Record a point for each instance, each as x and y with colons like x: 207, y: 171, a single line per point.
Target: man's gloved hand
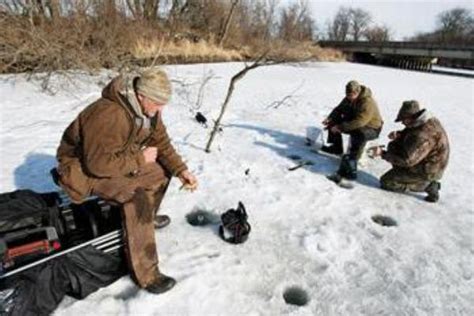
x: 394, y: 135
x: 375, y: 151
x: 189, y: 180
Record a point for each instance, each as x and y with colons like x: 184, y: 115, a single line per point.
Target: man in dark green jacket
x: 357, y: 115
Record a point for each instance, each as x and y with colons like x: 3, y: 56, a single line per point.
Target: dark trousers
x: 358, y: 140
x: 140, y: 196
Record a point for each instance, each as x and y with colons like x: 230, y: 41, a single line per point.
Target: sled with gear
x: 50, y: 248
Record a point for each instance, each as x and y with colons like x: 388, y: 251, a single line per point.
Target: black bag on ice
x: 235, y: 228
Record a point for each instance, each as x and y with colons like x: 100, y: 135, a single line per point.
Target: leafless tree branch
x: 261, y: 61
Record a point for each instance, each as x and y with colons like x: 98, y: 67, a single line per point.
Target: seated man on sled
x: 118, y: 149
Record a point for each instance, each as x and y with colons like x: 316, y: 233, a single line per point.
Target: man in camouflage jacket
x: 419, y: 153
x: 118, y: 149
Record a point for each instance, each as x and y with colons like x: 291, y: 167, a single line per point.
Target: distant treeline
x: 454, y: 26
x: 45, y: 35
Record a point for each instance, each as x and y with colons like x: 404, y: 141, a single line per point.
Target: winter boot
x: 433, y: 192
x: 335, y: 177
x: 348, y: 167
x: 161, y: 221
x: 162, y: 284
x: 333, y: 150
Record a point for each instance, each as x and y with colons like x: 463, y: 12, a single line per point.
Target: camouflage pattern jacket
x: 106, y: 141
x: 422, y: 148
x: 363, y: 112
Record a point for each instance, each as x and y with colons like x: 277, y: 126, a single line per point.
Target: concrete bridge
x: 405, y: 49
x: 407, y: 55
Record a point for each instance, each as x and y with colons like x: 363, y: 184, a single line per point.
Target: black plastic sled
x: 50, y: 248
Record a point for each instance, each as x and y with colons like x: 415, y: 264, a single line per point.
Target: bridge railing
x: 397, y: 44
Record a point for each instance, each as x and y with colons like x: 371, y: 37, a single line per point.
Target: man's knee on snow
x: 389, y: 184
x: 419, y: 186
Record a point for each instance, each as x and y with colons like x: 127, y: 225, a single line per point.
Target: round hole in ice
x: 294, y: 157
x: 295, y: 296
x: 201, y: 218
x: 384, y: 220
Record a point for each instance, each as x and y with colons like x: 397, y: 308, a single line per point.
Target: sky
x: 405, y: 18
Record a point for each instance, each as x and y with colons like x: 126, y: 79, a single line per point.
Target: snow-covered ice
x: 306, y: 231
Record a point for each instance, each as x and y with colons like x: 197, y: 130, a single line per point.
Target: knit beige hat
x: 154, y: 84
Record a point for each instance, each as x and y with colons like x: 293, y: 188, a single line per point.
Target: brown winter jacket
x: 106, y: 141
x: 422, y: 148
x: 364, y: 112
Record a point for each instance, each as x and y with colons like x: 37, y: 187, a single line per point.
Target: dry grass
x: 302, y: 51
x: 185, y: 50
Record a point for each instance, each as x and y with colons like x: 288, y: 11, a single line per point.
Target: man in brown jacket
x: 419, y: 153
x: 357, y: 115
x: 118, y: 149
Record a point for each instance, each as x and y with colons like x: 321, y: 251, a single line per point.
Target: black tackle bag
x: 235, y: 228
x: 24, y: 208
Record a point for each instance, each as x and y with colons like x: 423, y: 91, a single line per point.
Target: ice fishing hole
x: 384, y: 220
x: 201, y: 218
x: 294, y: 157
x: 295, y: 296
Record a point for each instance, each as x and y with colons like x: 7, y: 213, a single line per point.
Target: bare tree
x: 455, y: 24
x: 296, y: 23
x: 35, y: 10
x: 225, y: 28
x: 54, y: 8
x: 269, y: 18
x: 261, y: 61
x: 338, y: 29
x: 144, y: 9
x: 203, y: 17
x: 178, y: 7
x: 150, y: 9
x: 378, y: 33
x: 360, y: 21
